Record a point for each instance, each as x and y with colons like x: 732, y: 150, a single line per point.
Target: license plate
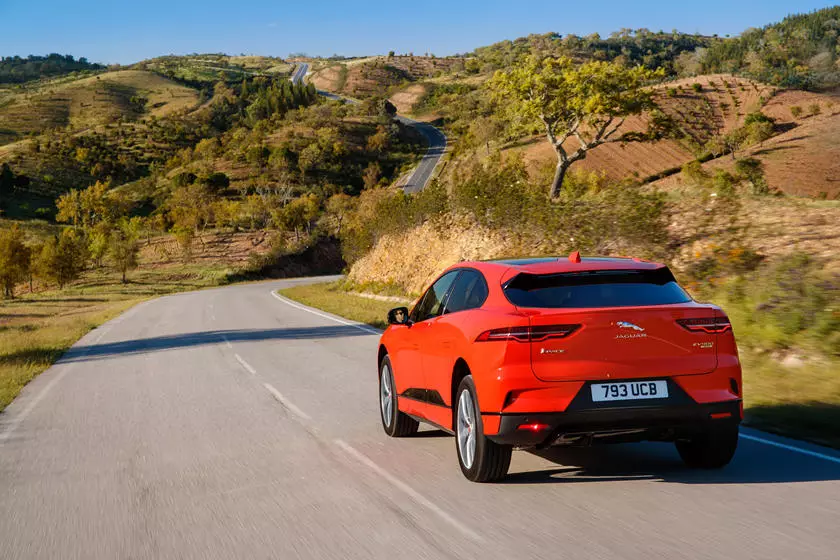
x: 629, y: 391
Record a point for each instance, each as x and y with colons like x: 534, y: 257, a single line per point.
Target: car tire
x: 481, y: 459
x: 711, y: 449
x: 394, y: 422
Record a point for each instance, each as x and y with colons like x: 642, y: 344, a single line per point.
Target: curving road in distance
x: 230, y: 423
x: 435, y: 138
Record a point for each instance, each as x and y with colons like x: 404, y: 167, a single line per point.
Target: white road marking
x: 792, y: 448
x: 13, y: 425
x: 227, y: 342
x: 245, y: 364
x: 411, y: 492
x: 324, y: 315
x: 287, y: 404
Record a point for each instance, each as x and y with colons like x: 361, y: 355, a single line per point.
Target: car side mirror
x: 399, y: 316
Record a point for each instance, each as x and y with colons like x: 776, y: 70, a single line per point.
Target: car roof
x: 557, y: 265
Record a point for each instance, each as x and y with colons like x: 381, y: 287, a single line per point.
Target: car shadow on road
x: 754, y: 463
x: 204, y: 338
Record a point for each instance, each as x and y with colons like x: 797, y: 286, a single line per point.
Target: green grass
x: 801, y: 402
x: 333, y: 298
x: 36, y: 329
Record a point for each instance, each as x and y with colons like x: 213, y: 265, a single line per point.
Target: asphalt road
x: 229, y: 424
x: 435, y: 139
x: 300, y: 72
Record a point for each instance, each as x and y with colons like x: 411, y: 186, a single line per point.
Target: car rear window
x: 597, y: 288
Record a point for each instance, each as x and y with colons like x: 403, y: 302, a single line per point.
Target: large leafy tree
x: 14, y: 259
x: 589, y: 102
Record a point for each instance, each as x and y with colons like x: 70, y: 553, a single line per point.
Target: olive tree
x: 589, y: 102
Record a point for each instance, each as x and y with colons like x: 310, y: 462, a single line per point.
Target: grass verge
x: 333, y: 298
x: 36, y: 329
x: 800, y: 402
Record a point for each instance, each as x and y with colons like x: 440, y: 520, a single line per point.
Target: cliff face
x: 413, y: 259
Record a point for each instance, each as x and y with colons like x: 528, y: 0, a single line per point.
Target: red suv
x: 540, y: 352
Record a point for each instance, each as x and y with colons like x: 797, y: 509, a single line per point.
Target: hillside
x: 719, y: 106
x: 377, y: 76
x: 90, y: 101
x: 210, y: 68
x: 798, y: 52
x: 802, y: 161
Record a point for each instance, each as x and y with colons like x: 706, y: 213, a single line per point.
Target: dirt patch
x: 229, y: 249
x: 405, y: 100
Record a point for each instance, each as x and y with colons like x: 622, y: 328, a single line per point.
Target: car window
x: 430, y: 303
x: 601, y: 288
x: 468, y: 292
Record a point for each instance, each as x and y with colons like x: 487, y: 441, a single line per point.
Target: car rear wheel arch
x: 459, y: 372
x: 382, y: 353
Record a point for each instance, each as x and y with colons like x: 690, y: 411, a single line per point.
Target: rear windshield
x: 597, y: 288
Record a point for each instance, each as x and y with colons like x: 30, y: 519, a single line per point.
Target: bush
x: 815, y: 109
x: 697, y: 87
x: 795, y: 111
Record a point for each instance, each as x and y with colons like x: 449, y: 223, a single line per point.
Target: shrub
x: 795, y: 111
x: 694, y: 172
x: 815, y: 109
x: 697, y: 87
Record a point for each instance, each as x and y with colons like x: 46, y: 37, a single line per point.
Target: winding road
x: 231, y: 423
x: 435, y: 138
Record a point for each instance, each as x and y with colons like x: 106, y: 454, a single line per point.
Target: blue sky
x: 118, y: 31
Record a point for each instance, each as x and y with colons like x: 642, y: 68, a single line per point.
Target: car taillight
x: 709, y: 325
x: 528, y: 334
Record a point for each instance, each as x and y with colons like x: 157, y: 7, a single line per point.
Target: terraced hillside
x: 91, y: 101
x: 378, y: 75
x: 708, y: 106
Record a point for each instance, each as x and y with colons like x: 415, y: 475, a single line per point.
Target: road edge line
x: 361, y: 327
x: 793, y: 448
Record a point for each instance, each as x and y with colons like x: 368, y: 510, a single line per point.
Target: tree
x: 14, y: 260
x: 92, y: 206
x: 588, y: 101
x: 300, y: 213
x: 378, y: 142
x: 98, y: 246
x: 752, y: 170
x: 371, y: 174
x: 63, y: 258
x: 124, y: 246
x: 338, y: 207
x: 7, y: 180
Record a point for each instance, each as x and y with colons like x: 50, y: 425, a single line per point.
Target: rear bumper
x: 614, y: 424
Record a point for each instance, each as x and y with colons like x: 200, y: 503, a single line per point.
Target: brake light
x: 528, y: 334
x: 708, y: 325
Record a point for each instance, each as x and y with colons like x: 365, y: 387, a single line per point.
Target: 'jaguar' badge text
x: 550, y: 351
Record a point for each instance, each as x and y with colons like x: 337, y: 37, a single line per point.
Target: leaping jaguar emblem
x: 626, y: 325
